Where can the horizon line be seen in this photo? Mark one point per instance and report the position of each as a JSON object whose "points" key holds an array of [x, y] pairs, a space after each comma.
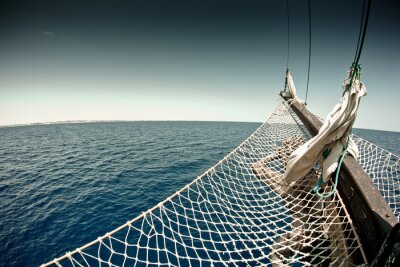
{"points": [[96, 121], [100, 121]]}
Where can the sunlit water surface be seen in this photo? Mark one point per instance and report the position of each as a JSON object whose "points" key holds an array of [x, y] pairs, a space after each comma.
{"points": [[64, 185]]}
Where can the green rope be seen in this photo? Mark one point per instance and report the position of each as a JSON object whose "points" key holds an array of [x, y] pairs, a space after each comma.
{"points": [[355, 74], [320, 180]]}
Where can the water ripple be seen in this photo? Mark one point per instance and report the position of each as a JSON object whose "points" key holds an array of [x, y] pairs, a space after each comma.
{"points": [[64, 185]]}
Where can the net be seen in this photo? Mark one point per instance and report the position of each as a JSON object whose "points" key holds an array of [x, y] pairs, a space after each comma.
{"points": [[383, 168], [240, 213]]}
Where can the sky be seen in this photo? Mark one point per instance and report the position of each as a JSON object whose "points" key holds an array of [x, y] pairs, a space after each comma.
{"points": [[214, 60]]}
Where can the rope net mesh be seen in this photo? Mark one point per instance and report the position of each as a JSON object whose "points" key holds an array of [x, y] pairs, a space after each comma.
{"points": [[239, 213], [383, 168]]}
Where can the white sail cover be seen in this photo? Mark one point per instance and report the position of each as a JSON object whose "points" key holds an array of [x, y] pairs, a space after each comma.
{"points": [[291, 88], [333, 135]]}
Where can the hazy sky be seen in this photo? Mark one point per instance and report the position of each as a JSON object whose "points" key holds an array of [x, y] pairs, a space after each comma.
{"points": [[189, 60]]}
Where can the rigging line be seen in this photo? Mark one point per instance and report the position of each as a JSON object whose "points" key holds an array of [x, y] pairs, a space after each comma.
{"points": [[288, 43], [355, 74], [309, 49], [356, 67], [364, 32], [360, 31], [288, 33]]}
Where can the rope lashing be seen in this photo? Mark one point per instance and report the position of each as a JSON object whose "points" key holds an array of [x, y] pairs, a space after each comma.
{"points": [[355, 74], [320, 180], [287, 71]]}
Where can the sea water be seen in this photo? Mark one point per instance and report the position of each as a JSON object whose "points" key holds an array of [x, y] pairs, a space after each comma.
{"points": [[63, 185]]}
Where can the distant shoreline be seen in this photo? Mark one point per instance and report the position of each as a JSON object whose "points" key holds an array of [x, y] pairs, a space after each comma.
{"points": [[109, 121], [112, 121]]}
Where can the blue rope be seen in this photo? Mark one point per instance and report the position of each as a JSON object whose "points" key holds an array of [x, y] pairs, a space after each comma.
{"points": [[318, 185]]}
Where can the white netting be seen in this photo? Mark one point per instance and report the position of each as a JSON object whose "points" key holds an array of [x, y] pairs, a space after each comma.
{"points": [[383, 168], [238, 213]]}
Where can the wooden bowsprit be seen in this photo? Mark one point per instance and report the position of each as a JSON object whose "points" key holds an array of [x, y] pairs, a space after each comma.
{"points": [[371, 215]]}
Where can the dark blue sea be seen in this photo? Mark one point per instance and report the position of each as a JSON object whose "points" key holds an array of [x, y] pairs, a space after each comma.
{"points": [[63, 185]]}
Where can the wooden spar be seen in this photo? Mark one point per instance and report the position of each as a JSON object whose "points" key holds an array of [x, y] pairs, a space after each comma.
{"points": [[371, 215]]}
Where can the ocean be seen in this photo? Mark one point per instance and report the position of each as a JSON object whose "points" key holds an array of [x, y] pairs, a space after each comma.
{"points": [[63, 185]]}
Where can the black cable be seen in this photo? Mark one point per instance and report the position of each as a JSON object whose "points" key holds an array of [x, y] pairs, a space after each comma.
{"points": [[309, 49], [360, 45], [288, 33], [288, 42], [360, 31], [363, 34]]}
